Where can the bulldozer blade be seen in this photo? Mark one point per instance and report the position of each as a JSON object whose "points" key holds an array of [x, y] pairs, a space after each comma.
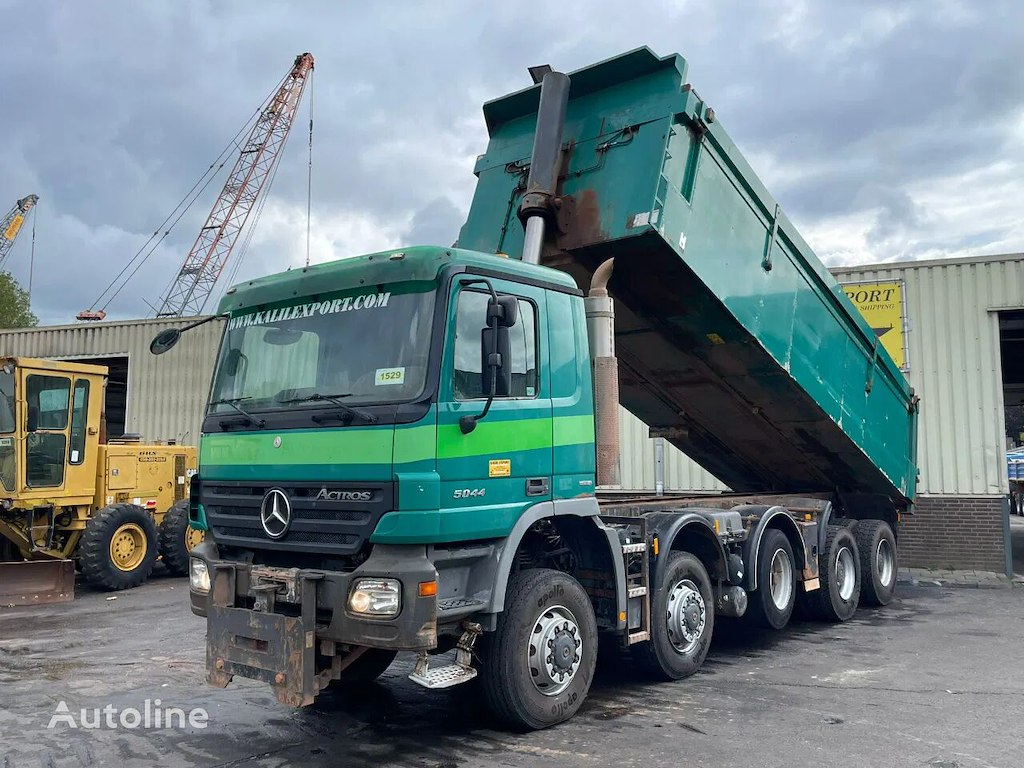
{"points": [[36, 582]]}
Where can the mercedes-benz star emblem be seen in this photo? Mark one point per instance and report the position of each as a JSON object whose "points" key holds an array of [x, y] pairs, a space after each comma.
{"points": [[276, 513]]}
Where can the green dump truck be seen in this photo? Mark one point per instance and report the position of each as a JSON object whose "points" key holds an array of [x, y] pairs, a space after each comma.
{"points": [[405, 451]]}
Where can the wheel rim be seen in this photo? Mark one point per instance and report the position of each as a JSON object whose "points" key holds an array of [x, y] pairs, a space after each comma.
{"points": [[885, 562], [780, 579], [193, 537], [687, 616], [128, 547], [846, 575], [555, 649]]}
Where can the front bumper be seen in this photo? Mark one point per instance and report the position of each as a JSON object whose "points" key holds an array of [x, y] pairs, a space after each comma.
{"points": [[285, 626]]}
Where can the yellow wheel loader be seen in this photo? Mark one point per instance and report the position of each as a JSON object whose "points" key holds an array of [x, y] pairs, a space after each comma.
{"points": [[70, 497]]}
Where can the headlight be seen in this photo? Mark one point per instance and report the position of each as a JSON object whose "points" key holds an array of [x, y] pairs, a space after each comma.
{"points": [[198, 575], [376, 597]]}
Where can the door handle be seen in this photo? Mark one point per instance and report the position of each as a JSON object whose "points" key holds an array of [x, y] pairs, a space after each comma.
{"points": [[537, 486]]}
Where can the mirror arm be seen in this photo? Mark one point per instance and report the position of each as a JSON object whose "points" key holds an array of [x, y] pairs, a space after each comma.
{"points": [[468, 423]]}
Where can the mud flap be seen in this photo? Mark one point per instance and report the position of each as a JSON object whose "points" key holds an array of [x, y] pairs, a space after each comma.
{"points": [[36, 582], [277, 649]]}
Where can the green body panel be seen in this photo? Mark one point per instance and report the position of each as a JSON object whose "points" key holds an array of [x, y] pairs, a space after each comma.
{"points": [[733, 338]]}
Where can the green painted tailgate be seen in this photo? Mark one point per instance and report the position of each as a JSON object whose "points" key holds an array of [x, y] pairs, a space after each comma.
{"points": [[735, 342]]}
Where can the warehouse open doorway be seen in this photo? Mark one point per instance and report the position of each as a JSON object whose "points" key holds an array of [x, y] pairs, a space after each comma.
{"points": [[1011, 354], [115, 403]]}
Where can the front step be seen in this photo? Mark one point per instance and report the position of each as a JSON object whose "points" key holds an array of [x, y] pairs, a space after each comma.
{"points": [[442, 677], [451, 674], [637, 637]]}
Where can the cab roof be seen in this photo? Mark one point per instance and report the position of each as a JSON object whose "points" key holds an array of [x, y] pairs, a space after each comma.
{"points": [[399, 265]]}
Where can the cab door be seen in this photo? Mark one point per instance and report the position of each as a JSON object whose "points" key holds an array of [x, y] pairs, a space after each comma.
{"points": [[47, 421], [491, 474]]}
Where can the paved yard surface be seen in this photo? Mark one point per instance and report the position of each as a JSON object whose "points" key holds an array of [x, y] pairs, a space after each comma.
{"points": [[936, 679]]}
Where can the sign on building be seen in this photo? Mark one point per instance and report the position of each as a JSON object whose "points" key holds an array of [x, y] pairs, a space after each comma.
{"points": [[881, 304]]}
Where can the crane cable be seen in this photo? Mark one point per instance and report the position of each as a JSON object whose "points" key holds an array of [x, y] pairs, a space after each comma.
{"points": [[194, 193], [32, 256], [309, 173]]}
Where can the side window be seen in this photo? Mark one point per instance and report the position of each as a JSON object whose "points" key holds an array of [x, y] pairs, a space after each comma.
{"points": [[79, 422], [471, 319], [49, 398]]}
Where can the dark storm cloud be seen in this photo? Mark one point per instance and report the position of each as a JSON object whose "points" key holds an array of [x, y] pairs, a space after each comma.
{"points": [[857, 115]]}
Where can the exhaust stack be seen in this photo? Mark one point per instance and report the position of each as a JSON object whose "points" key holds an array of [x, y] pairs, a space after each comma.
{"points": [[601, 331]]}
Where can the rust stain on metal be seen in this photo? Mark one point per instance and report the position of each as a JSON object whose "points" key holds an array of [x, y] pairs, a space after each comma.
{"points": [[582, 224]]}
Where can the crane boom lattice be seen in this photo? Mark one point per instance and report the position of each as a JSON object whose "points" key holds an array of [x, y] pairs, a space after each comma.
{"points": [[10, 225], [255, 164]]}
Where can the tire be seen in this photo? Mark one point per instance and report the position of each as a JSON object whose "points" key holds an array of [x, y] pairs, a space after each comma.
{"points": [[677, 648], [123, 532], [839, 574], [373, 663], [879, 561], [174, 536], [771, 604], [544, 610]]}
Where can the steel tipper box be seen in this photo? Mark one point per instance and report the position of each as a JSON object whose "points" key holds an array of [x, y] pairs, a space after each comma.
{"points": [[734, 341]]}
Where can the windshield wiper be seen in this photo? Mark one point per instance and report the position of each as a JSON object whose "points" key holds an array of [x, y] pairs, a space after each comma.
{"points": [[233, 402], [316, 397]]}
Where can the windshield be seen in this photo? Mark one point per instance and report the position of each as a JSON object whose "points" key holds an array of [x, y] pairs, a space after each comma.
{"points": [[357, 347], [7, 425]]}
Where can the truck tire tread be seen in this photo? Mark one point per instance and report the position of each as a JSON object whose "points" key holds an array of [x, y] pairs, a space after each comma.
{"points": [[867, 534], [505, 680]]}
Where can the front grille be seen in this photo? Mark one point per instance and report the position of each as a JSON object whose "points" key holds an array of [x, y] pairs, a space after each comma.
{"points": [[321, 525]]}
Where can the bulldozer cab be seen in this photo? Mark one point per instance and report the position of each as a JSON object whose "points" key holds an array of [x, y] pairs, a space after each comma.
{"points": [[50, 414]]}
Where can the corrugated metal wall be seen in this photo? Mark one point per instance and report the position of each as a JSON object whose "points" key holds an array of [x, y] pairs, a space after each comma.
{"points": [[166, 393], [953, 355]]}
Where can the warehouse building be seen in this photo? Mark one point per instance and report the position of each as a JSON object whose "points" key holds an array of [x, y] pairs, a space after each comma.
{"points": [[956, 327]]}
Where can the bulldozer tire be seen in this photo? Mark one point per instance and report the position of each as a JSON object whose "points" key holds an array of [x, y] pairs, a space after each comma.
{"points": [[119, 547], [177, 538]]}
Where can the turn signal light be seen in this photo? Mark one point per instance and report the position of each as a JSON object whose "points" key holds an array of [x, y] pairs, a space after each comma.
{"points": [[428, 588]]}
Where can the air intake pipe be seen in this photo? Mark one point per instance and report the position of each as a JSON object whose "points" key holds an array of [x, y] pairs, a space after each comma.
{"points": [[601, 332]]}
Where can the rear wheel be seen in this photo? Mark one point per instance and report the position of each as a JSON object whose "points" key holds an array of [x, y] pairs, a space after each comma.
{"points": [[119, 547], [839, 574], [771, 604], [539, 662], [878, 561], [682, 620], [177, 538]]}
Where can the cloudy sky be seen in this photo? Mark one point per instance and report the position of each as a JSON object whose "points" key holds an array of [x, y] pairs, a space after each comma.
{"points": [[887, 130]]}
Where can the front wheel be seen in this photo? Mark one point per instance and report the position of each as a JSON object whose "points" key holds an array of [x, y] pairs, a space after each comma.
{"points": [[539, 662], [682, 620], [118, 547]]}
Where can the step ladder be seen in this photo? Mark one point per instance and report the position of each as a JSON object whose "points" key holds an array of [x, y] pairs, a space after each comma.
{"points": [[637, 567]]}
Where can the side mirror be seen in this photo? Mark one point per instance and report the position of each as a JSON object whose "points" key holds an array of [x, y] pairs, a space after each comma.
{"points": [[496, 362], [32, 422], [505, 310], [164, 340]]}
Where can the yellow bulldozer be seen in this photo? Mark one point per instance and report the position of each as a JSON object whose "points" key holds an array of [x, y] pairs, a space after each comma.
{"points": [[69, 497]]}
